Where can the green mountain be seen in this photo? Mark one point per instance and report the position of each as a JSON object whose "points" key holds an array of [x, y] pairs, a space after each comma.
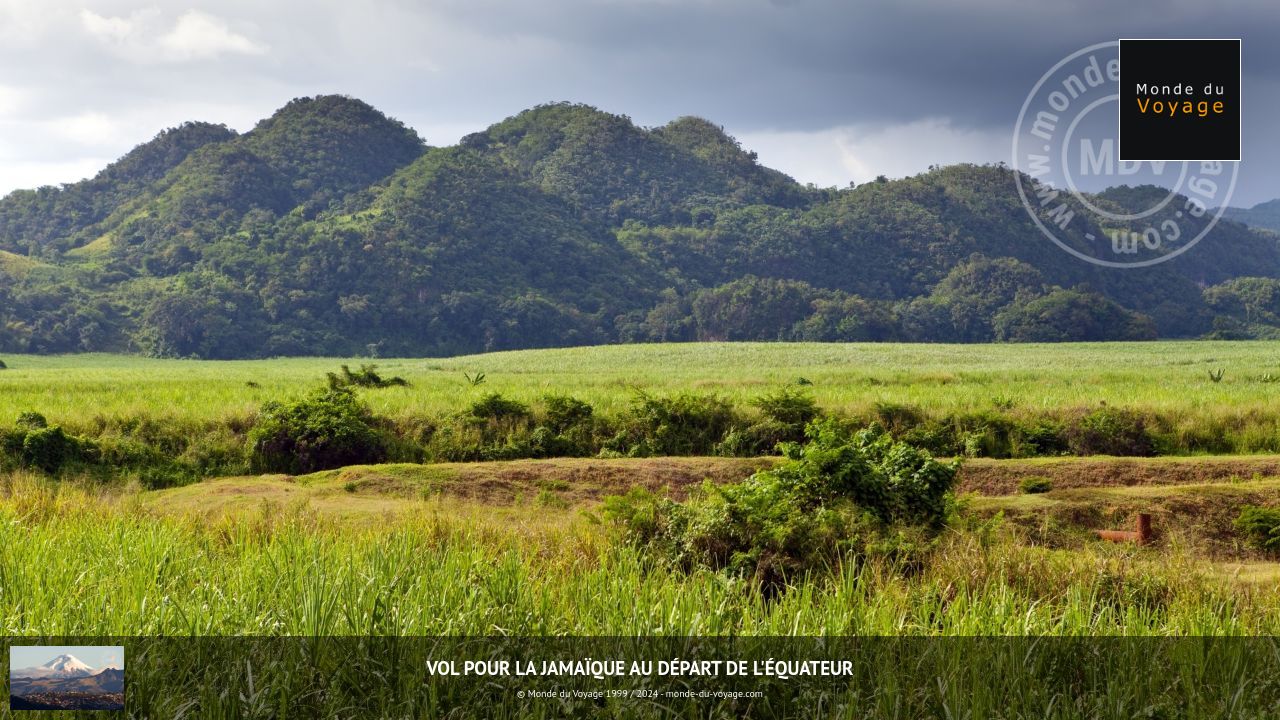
{"points": [[31, 220], [1263, 215], [331, 229]]}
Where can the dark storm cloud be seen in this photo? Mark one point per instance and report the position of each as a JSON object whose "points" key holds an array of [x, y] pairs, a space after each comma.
{"points": [[810, 65], [80, 82]]}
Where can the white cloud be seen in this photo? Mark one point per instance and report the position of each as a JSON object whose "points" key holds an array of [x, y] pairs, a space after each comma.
{"points": [[199, 36], [90, 128], [775, 73], [14, 175], [859, 153], [12, 100], [142, 36], [25, 24], [112, 29]]}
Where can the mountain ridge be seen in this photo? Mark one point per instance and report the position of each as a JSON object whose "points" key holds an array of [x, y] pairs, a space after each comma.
{"points": [[105, 681], [330, 228], [1265, 215]]}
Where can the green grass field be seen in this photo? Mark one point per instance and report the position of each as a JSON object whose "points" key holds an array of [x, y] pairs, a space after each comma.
{"points": [[1171, 377], [166, 562], [519, 548], [291, 561]]}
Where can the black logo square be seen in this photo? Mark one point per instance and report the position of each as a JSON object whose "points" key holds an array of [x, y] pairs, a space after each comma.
{"points": [[1179, 100]]}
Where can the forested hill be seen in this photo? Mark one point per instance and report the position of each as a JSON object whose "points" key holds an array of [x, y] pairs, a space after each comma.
{"points": [[331, 229], [1263, 215]]}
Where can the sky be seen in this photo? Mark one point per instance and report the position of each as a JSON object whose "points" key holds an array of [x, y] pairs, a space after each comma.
{"points": [[95, 656], [829, 91]]}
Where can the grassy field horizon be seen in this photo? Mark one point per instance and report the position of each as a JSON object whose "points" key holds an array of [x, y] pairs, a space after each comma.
{"points": [[1171, 376]]}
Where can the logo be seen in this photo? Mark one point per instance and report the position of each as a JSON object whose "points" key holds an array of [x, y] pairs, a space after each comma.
{"points": [[1101, 209], [1180, 100]]}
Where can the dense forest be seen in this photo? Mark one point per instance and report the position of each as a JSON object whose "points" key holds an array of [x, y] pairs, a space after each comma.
{"points": [[331, 229]]}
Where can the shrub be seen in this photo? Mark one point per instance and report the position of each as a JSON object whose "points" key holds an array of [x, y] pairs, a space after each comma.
{"points": [[1260, 527], [684, 424], [3, 366], [936, 436], [788, 406], [837, 493], [492, 428], [32, 420], [11, 446], [495, 407], [154, 467], [785, 415], [1043, 436], [1109, 431], [760, 438], [49, 448], [543, 442], [565, 413], [366, 376], [328, 429], [34, 443], [985, 434], [898, 417], [1035, 484]]}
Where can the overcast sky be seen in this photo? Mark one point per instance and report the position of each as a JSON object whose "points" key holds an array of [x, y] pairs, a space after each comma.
{"points": [[828, 91]]}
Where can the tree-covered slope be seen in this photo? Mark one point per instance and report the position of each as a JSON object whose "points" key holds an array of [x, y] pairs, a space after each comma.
{"points": [[31, 220], [609, 168], [455, 252], [308, 156], [331, 229]]}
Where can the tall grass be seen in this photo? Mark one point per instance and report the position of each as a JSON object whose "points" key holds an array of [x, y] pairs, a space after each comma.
{"points": [[75, 563]]}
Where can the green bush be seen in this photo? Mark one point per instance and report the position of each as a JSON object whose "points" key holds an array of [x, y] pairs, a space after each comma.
{"points": [[495, 407], [898, 417], [565, 413], [34, 443], [1043, 436], [840, 492], [32, 420], [50, 448], [495, 428], [541, 442], [985, 434], [11, 446], [761, 438], [328, 429], [785, 415], [1035, 484], [366, 377], [1109, 431], [1260, 527], [684, 424], [788, 406], [936, 436]]}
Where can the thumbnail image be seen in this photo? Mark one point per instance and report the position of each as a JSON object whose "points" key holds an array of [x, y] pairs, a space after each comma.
{"points": [[56, 678]]}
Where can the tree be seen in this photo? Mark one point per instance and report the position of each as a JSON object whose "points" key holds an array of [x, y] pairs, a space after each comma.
{"points": [[1071, 315]]}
